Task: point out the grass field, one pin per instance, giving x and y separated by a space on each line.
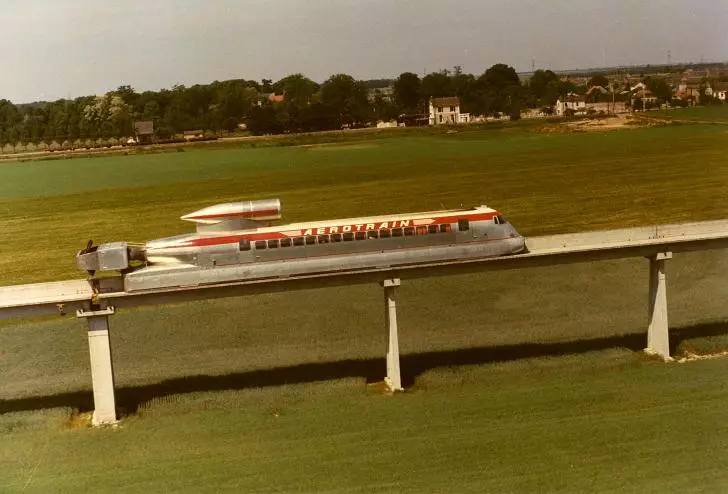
621 426
545 183
717 114
519 381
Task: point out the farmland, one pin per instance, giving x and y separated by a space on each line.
705 114
512 375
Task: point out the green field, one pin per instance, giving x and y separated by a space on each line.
716 114
546 183
517 381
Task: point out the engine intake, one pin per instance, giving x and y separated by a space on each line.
235 215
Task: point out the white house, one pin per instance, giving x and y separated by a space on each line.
720 91
447 111
571 101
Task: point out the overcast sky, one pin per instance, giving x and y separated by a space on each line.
59 48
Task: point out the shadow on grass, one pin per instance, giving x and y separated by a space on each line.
412 365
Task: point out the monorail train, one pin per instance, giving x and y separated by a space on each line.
236 241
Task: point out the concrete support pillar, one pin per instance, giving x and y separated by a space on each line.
658 339
102 371
394 377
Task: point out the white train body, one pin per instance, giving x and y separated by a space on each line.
236 242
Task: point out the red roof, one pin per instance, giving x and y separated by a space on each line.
449 101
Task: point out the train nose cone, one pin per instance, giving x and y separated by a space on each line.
518 242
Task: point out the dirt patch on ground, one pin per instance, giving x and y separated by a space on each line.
616 122
689 356
335 146
80 420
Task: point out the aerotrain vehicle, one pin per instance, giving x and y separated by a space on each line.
237 241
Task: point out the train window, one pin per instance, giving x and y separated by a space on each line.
432 229
323 239
297 241
463 225
272 244
410 230
421 230
260 244
372 234
385 233
336 237
360 235
348 237
310 240
502 220
286 242
244 244
396 232
445 228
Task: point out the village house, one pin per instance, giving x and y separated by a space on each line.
641 96
270 97
189 135
690 88
572 101
447 111
719 90
143 132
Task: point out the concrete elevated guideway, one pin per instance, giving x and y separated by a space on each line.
96 300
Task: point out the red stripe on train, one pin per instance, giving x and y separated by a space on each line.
246 214
230 239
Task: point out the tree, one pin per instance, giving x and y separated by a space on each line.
346 99
501 76
541 84
436 85
297 88
499 91
265 119
407 92
463 87
598 80
659 87
298 93
266 85
384 109
127 94
108 116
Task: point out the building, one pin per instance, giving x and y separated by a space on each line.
270 98
691 87
644 95
381 124
144 132
190 135
386 93
720 90
413 120
447 111
575 102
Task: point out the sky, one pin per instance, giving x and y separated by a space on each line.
68 48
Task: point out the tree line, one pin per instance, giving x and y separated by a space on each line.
339 102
